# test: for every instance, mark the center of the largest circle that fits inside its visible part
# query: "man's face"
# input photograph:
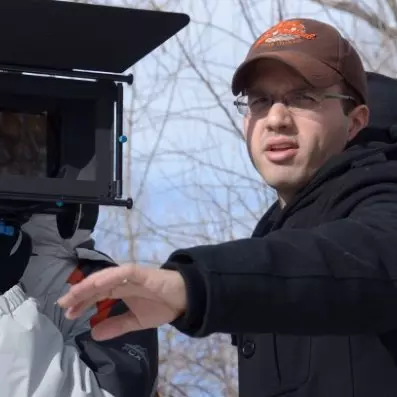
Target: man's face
(288, 145)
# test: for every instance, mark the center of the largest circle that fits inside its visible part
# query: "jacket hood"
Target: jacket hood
(369, 143)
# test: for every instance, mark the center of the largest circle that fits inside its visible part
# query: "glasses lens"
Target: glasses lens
(303, 100)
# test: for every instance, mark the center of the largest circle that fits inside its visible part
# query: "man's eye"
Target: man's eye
(303, 99)
(259, 102)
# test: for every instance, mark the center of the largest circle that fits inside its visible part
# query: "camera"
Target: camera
(62, 76)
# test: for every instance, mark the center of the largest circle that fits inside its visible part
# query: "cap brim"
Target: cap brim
(314, 72)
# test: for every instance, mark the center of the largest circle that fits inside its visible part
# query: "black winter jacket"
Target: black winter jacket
(311, 297)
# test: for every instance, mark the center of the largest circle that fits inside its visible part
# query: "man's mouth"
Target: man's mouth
(285, 146)
(275, 144)
(280, 150)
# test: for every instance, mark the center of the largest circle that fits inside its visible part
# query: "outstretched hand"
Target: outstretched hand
(154, 296)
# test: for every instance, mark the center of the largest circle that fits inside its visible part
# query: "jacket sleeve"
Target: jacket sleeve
(338, 278)
(38, 361)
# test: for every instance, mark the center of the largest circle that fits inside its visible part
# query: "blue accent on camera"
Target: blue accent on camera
(6, 229)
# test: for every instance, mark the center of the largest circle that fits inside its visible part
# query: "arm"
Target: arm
(337, 278)
(36, 361)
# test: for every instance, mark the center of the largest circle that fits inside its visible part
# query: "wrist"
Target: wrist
(193, 301)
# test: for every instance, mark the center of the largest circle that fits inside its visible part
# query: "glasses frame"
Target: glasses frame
(243, 108)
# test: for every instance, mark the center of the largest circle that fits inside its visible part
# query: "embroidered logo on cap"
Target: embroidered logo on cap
(285, 32)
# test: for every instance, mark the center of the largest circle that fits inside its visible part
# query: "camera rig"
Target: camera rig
(63, 67)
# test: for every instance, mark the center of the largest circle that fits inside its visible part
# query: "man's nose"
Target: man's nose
(278, 118)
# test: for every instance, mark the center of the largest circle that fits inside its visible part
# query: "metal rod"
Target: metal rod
(70, 73)
(119, 142)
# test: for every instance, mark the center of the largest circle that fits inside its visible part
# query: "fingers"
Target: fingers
(115, 326)
(131, 290)
(107, 283)
(76, 311)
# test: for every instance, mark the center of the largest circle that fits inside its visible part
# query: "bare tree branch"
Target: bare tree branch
(358, 11)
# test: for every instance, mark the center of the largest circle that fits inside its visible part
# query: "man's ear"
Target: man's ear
(358, 120)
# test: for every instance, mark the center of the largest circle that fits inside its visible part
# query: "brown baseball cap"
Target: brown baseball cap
(316, 50)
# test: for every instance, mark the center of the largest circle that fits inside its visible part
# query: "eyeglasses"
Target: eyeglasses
(295, 101)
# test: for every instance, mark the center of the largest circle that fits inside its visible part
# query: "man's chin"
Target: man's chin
(275, 174)
(287, 179)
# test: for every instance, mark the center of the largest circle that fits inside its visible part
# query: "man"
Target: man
(310, 298)
(41, 353)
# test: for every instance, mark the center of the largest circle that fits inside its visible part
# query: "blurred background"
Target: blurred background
(185, 161)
